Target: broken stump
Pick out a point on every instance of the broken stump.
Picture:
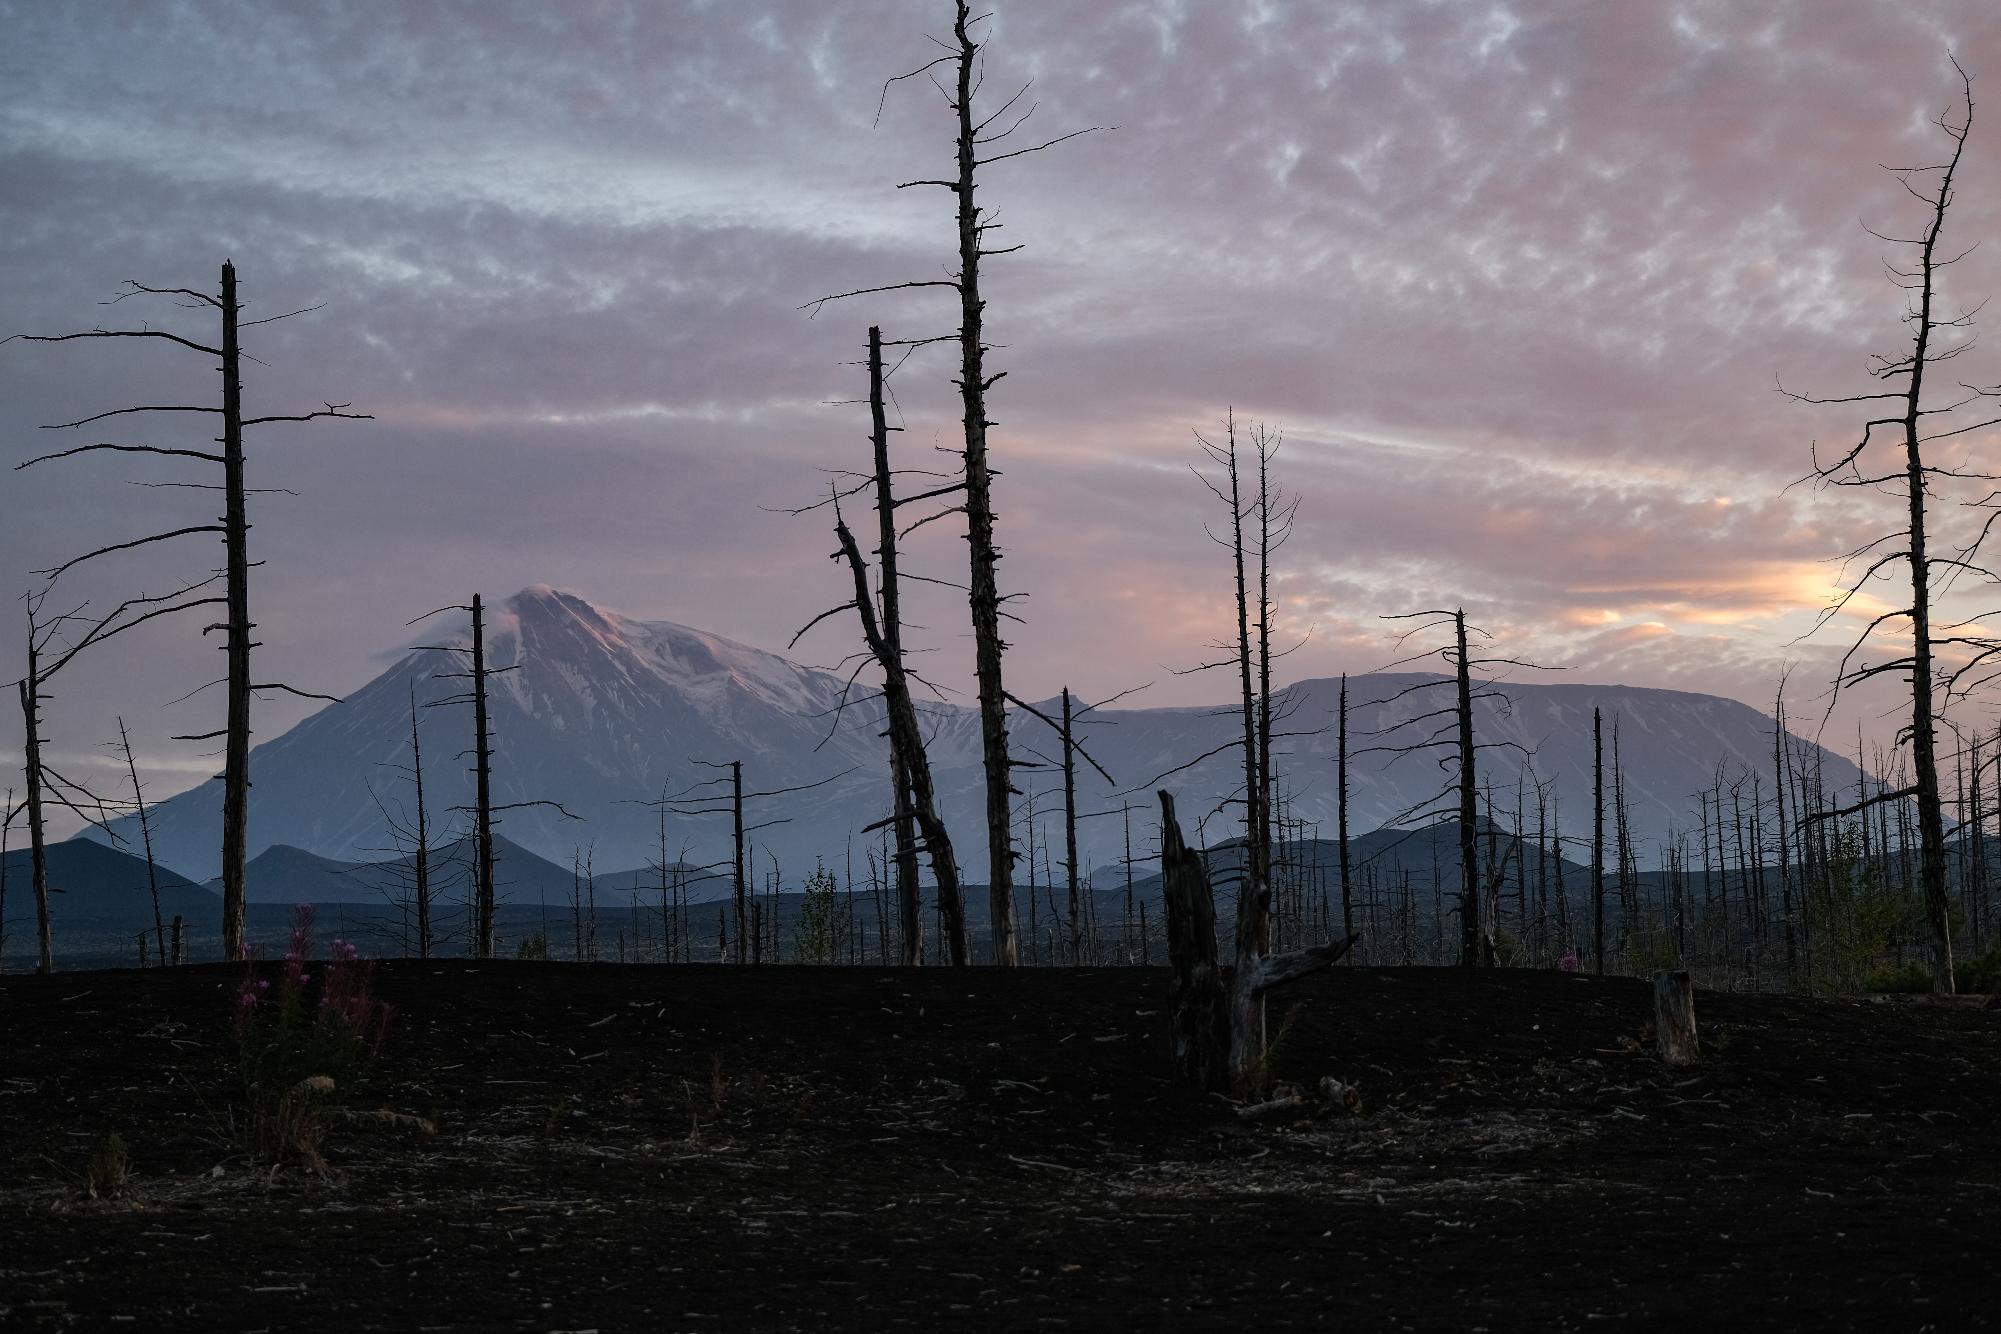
(1674, 1018)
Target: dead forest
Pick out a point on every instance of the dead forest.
(1499, 1058)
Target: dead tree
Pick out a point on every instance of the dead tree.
(234, 528)
(482, 733)
(976, 133)
(483, 808)
(1219, 1030)
(421, 854)
(410, 844)
(1065, 727)
(914, 795)
(1250, 656)
(45, 959)
(724, 795)
(145, 837)
(1341, 814)
(9, 812)
(1453, 731)
(1945, 661)
(1597, 842)
(53, 643)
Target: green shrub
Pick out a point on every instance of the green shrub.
(1981, 976)
(533, 947)
(821, 935)
(1905, 978)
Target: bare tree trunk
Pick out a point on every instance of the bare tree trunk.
(985, 596)
(146, 839)
(1199, 1023)
(1070, 830)
(1785, 844)
(1126, 816)
(1253, 895)
(422, 865)
(483, 782)
(1623, 846)
(1674, 1019)
(911, 766)
(1597, 842)
(1341, 814)
(742, 908)
(7, 813)
(1470, 952)
(1263, 828)
(30, 721)
(236, 544)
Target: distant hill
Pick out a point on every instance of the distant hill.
(87, 879)
(283, 874)
(98, 901)
(1379, 858)
(289, 875)
(606, 711)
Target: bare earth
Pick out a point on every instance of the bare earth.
(907, 1149)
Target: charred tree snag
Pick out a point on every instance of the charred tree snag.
(739, 889)
(975, 133)
(1597, 843)
(1070, 830)
(1946, 662)
(1469, 863)
(1674, 1018)
(482, 752)
(1065, 727)
(146, 840)
(907, 746)
(1341, 809)
(904, 755)
(45, 959)
(234, 527)
(8, 812)
(44, 784)
(483, 809)
(985, 597)
(236, 647)
(1218, 1030)
(724, 795)
(1199, 1014)
(1254, 899)
(914, 793)
(421, 855)
(1453, 731)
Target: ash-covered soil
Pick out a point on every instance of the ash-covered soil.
(704, 1147)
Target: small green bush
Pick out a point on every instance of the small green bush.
(1898, 978)
(1981, 976)
(821, 935)
(533, 947)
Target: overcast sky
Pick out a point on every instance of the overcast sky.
(1515, 281)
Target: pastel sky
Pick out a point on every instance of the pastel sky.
(1515, 280)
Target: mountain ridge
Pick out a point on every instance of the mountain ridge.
(605, 712)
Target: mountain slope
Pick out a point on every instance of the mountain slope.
(603, 713)
(88, 879)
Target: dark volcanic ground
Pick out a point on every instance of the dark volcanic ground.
(910, 1149)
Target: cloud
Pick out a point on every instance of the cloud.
(1516, 280)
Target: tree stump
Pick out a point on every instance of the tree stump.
(1674, 1018)
(1199, 1020)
